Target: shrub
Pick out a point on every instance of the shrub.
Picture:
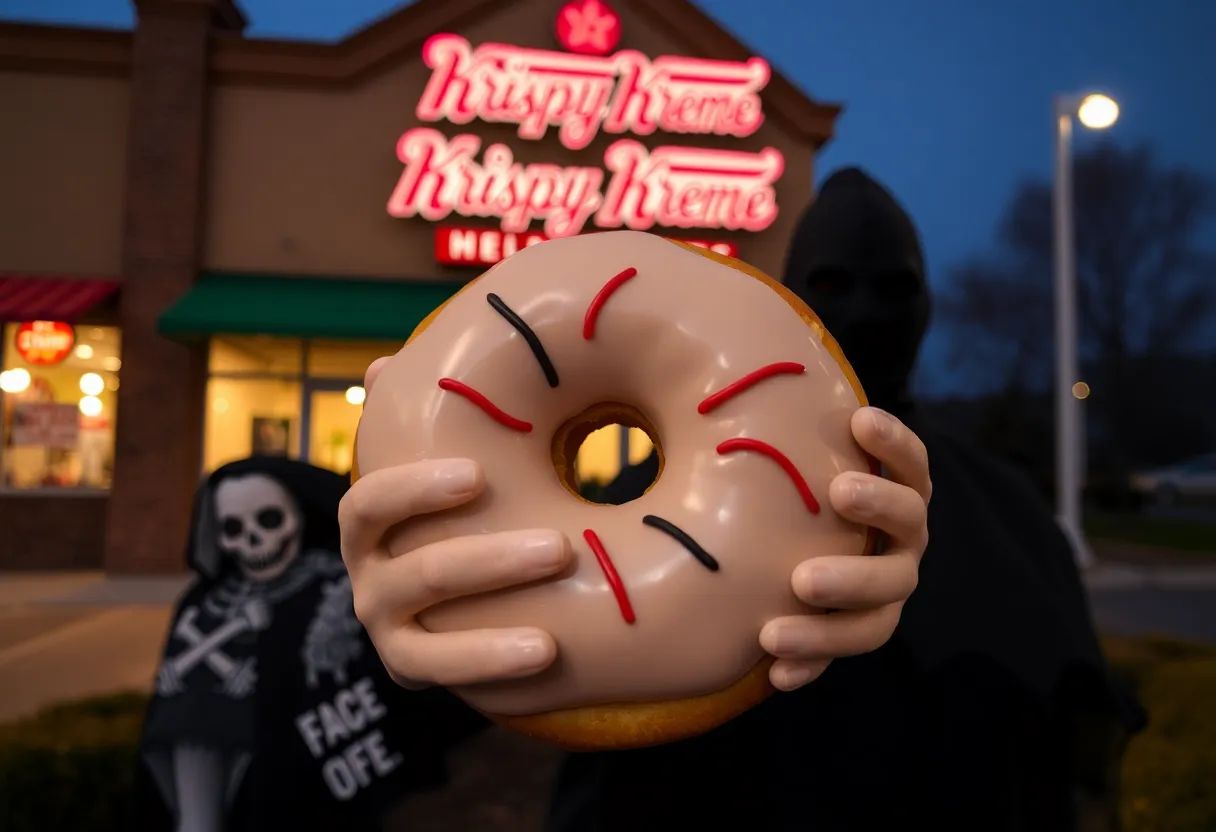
(1169, 774)
(71, 767)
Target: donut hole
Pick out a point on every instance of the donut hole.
(592, 433)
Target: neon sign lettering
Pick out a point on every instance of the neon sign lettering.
(677, 187)
(459, 246)
(581, 95)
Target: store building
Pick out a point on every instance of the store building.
(205, 238)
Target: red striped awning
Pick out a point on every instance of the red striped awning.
(29, 298)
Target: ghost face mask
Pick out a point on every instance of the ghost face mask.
(258, 525)
(856, 260)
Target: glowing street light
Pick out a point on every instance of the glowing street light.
(356, 395)
(1096, 112)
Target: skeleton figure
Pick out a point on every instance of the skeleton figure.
(254, 547)
(258, 525)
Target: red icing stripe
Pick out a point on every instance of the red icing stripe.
(614, 579)
(743, 444)
(488, 407)
(597, 303)
(716, 400)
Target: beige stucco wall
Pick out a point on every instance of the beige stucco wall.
(299, 179)
(63, 142)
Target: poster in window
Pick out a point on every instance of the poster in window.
(271, 435)
(45, 425)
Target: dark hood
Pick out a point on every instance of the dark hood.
(856, 260)
(317, 492)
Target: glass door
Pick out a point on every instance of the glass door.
(331, 415)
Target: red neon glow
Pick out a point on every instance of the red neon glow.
(463, 246)
(492, 410)
(715, 400)
(459, 246)
(677, 187)
(44, 343)
(689, 187)
(601, 297)
(614, 579)
(755, 445)
(588, 27)
(581, 95)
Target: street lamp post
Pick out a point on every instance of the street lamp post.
(1096, 112)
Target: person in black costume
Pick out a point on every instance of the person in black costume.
(272, 709)
(972, 716)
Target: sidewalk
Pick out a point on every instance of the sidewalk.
(1118, 576)
(68, 635)
(1126, 566)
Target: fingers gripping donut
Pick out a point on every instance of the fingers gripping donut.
(748, 401)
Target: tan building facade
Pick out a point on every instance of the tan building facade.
(205, 238)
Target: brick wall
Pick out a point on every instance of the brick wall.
(161, 401)
(46, 533)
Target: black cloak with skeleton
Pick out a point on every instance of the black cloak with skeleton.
(272, 709)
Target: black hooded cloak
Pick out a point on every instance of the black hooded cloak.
(292, 721)
(967, 718)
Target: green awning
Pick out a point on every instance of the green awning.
(303, 307)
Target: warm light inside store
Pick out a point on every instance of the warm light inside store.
(59, 417)
(265, 395)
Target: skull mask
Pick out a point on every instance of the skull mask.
(259, 525)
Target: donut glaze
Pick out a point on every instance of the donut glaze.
(749, 401)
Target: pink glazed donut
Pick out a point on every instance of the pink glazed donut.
(748, 400)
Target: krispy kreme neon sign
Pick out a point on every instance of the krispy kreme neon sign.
(580, 96)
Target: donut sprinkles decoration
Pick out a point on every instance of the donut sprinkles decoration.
(707, 406)
(657, 618)
(533, 342)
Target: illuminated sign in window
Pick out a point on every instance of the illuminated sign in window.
(44, 343)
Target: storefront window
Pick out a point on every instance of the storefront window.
(335, 417)
(303, 399)
(281, 396)
(599, 457)
(337, 359)
(256, 354)
(59, 388)
(248, 416)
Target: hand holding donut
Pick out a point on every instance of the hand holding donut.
(869, 593)
(390, 591)
(608, 627)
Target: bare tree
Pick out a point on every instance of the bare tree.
(1145, 287)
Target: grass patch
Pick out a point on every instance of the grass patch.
(1181, 535)
(1169, 773)
(70, 768)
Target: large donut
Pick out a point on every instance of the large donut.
(746, 396)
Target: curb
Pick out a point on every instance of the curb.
(1110, 577)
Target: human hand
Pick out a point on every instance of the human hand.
(866, 593)
(389, 591)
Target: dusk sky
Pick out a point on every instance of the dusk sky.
(947, 101)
